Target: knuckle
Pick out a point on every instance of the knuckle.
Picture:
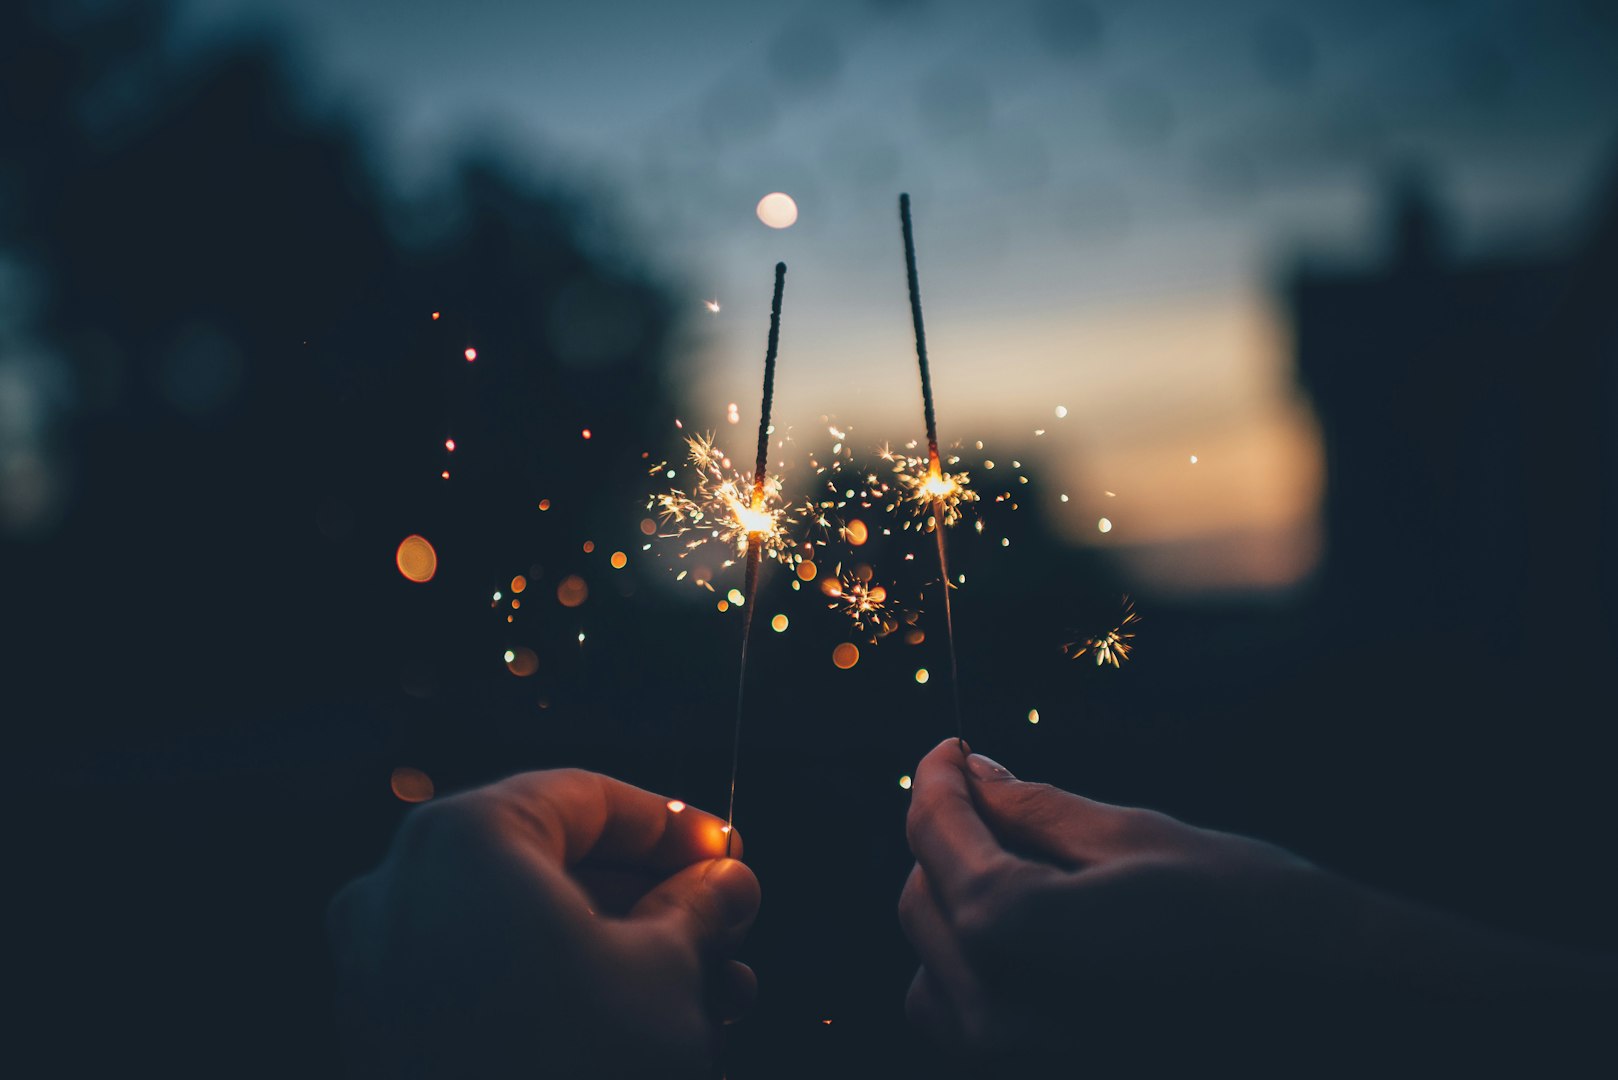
(980, 920)
(911, 898)
(450, 820)
(1000, 903)
(915, 824)
(1133, 827)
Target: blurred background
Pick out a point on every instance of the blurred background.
(1297, 319)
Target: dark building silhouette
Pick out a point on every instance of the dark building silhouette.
(1468, 413)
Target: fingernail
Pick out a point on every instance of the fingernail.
(733, 883)
(984, 768)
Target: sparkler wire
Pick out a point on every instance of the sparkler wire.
(754, 547)
(933, 465)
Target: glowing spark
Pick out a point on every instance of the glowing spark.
(435, 316)
(471, 354)
(927, 487)
(862, 601)
(586, 434)
(1193, 459)
(711, 305)
(722, 506)
(675, 806)
(1113, 647)
(449, 444)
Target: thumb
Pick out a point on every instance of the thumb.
(1040, 820)
(710, 903)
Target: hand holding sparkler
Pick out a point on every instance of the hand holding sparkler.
(1051, 924)
(556, 923)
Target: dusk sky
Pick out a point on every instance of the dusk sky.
(1105, 197)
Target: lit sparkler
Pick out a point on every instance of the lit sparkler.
(761, 531)
(864, 602)
(1112, 647)
(725, 505)
(941, 489)
(927, 486)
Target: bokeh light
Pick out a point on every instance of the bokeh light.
(922, 676)
(1033, 716)
(416, 559)
(619, 560)
(777, 210)
(572, 591)
(845, 655)
(904, 782)
(411, 785)
(522, 662)
(519, 583)
(779, 624)
(856, 532)
(806, 570)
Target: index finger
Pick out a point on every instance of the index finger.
(948, 838)
(575, 814)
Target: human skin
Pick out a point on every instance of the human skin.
(557, 923)
(1051, 924)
